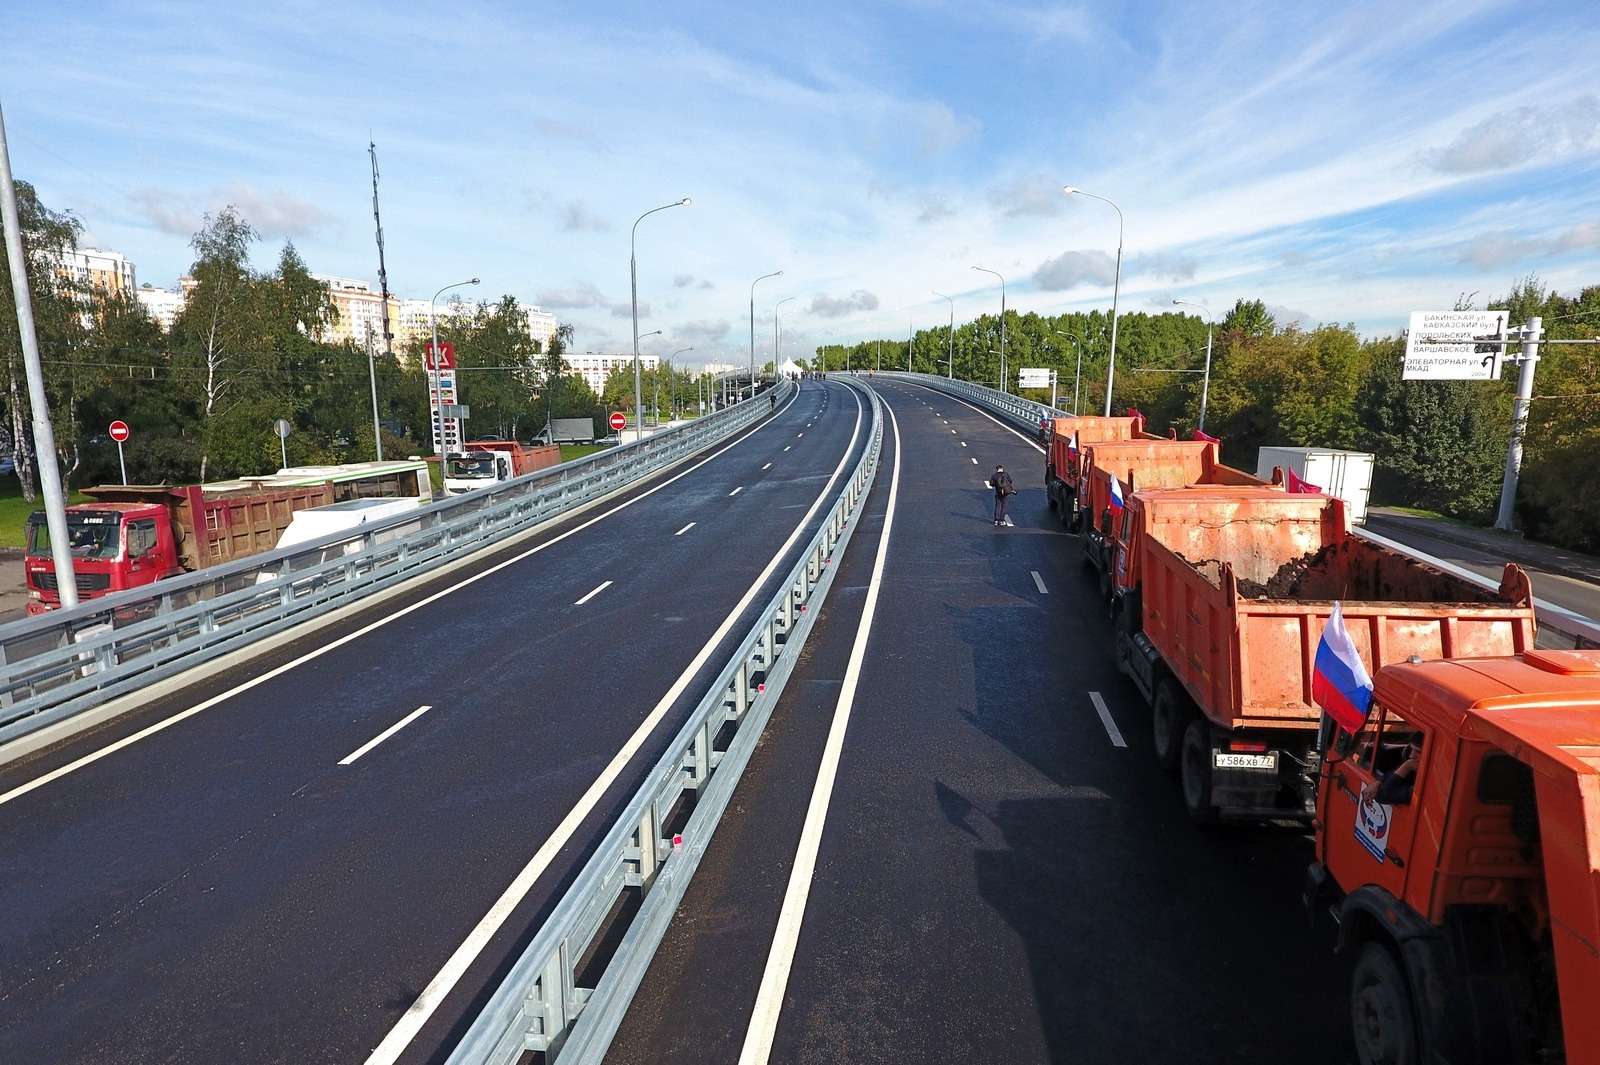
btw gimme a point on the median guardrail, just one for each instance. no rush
(64, 663)
(643, 865)
(1558, 627)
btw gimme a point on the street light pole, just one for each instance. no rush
(674, 400)
(777, 336)
(633, 284)
(753, 284)
(1205, 382)
(996, 273)
(950, 365)
(372, 379)
(1116, 288)
(638, 411)
(438, 392)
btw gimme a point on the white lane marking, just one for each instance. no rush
(952, 430)
(1038, 582)
(974, 462)
(604, 585)
(692, 524)
(798, 435)
(182, 715)
(963, 443)
(768, 466)
(411, 1022)
(736, 491)
(385, 734)
(1025, 439)
(780, 959)
(786, 447)
(1106, 720)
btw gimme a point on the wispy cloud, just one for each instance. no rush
(1073, 268)
(576, 217)
(1520, 135)
(273, 214)
(1505, 246)
(825, 306)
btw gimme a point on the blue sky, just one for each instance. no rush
(1342, 162)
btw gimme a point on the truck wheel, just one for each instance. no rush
(1381, 1018)
(1169, 718)
(1196, 772)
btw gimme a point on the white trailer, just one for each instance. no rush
(1346, 475)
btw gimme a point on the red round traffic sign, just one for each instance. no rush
(120, 431)
(618, 421)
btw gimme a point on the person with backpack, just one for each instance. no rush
(1004, 488)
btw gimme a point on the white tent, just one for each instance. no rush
(790, 368)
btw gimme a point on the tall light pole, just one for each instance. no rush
(438, 396)
(950, 364)
(753, 284)
(996, 273)
(1205, 382)
(633, 284)
(673, 379)
(910, 333)
(1077, 378)
(1116, 287)
(638, 411)
(44, 440)
(777, 336)
(372, 379)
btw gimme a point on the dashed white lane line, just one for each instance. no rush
(592, 594)
(758, 1037)
(1038, 582)
(952, 430)
(385, 734)
(786, 447)
(768, 466)
(974, 462)
(736, 491)
(798, 435)
(963, 443)
(1106, 720)
(692, 524)
(1031, 443)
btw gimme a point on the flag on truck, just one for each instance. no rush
(1340, 683)
(1295, 483)
(1116, 496)
(1072, 449)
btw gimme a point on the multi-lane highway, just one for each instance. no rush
(955, 844)
(339, 846)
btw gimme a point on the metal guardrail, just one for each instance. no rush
(1558, 627)
(646, 860)
(1024, 412)
(66, 662)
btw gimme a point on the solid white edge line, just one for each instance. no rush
(603, 586)
(763, 1027)
(685, 529)
(1031, 443)
(1107, 720)
(736, 491)
(1039, 583)
(238, 689)
(411, 1022)
(385, 734)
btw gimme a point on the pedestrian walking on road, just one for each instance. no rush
(1004, 488)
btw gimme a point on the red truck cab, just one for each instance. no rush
(115, 546)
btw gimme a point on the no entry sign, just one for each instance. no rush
(618, 421)
(119, 430)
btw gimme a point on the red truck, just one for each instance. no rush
(1063, 468)
(487, 462)
(1458, 849)
(1139, 465)
(1222, 594)
(133, 535)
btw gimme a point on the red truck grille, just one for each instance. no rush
(87, 582)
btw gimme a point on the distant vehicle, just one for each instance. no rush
(133, 535)
(567, 431)
(488, 462)
(1346, 475)
(8, 466)
(314, 523)
(1063, 470)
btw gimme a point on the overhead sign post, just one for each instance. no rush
(120, 432)
(1455, 346)
(447, 433)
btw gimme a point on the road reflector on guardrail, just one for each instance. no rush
(677, 842)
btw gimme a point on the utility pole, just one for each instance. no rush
(1506, 519)
(372, 378)
(383, 274)
(44, 440)
(877, 365)
(909, 334)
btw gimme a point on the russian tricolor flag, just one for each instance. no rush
(1116, 496)
(1295, 483)
(1072, 448)
(1340, 683)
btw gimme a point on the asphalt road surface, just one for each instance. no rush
(996, 878)
(279, 875)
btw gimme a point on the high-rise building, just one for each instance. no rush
(594, 367)
(93, 268)
(163, 305)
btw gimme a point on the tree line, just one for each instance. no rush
(245, 351)
(1440, 445)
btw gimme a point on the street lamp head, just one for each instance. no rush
(1069, 189)
(686, 202)
(474, 281)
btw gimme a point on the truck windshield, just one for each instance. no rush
(477, 467)
(90, 537)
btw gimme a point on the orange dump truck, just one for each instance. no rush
(1068, 439)
(1139, 465)
(1458, 849)
(487, 462)
(1221, 598)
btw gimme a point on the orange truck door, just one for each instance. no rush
(1370, 843)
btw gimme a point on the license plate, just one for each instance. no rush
(1235, 760)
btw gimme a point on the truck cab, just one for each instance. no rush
(115, 546)
(1458, 849)
(472, 470)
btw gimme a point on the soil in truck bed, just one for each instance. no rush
(1355, 569)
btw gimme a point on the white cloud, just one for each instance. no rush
(1500, 247)
(1165, 266)
(825, 306)
(273, 214)
(1029, 196)
(576, 217)
(1520, 135)
(1073, 268)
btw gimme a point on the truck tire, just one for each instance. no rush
(1195, 766)
(1169, 720)
(1381, 1017)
